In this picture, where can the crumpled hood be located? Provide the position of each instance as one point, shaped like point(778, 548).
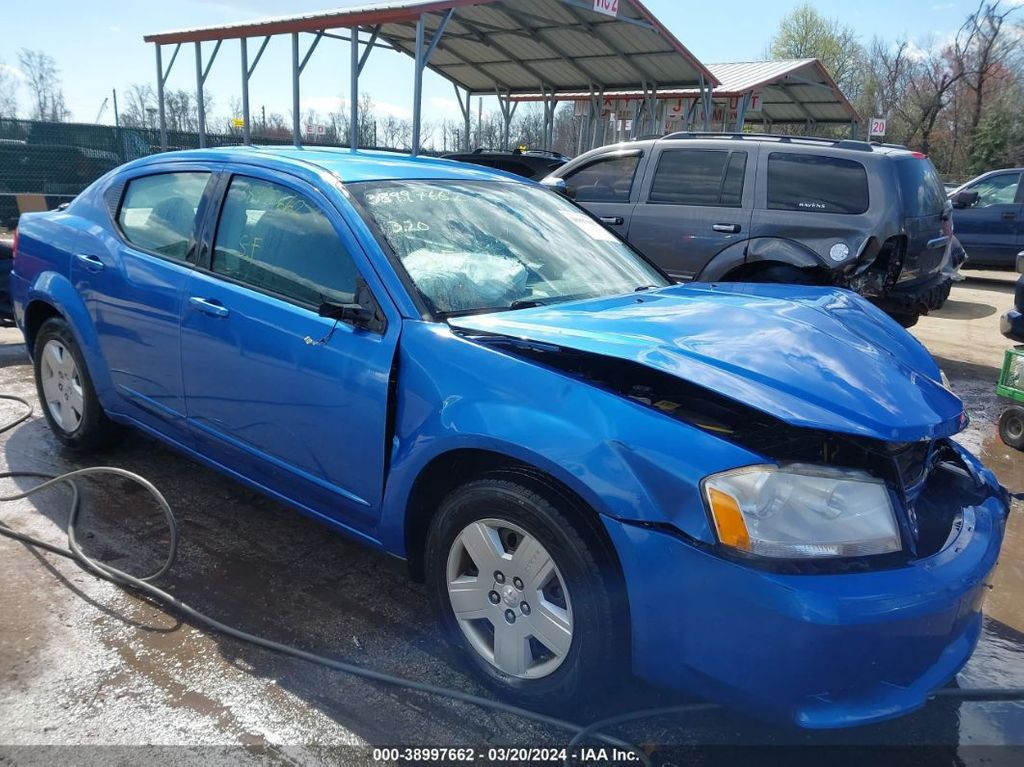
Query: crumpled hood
point(814, 357)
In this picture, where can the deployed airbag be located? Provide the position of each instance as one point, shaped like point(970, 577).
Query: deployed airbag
point(461, 281)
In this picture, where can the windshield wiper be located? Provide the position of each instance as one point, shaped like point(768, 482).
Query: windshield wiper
point(642, 288)
point(527, 303)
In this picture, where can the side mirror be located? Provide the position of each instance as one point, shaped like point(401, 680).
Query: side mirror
point(364, 312)
point(557, 184)
point(1020, 263)
point(353, 314)
point(964, 199)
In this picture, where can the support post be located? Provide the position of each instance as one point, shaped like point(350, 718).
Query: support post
point(161, 85)
point(201, 74)
point(353, 118)
point(200, 101)
point(708, 102)
point(246, 135)
point(423, 53)
point(550, 104)
point(417, 88)
point(296, 135)
point(160, 80)
point(467, 113)
point(741, 111)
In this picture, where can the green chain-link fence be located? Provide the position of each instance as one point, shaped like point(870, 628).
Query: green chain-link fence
point(44, 164)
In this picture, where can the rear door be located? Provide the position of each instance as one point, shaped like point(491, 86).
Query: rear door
point(131, 278)
point(695, 202)
point(818, 201)
point(990, 229)
point(289, 399)
point(605, 186)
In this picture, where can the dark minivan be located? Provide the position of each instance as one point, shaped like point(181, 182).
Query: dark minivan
point(760, 208)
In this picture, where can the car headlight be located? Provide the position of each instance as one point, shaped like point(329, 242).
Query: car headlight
point(802, 511)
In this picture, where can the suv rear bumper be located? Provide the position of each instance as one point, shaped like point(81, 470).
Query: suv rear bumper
point(918, 297)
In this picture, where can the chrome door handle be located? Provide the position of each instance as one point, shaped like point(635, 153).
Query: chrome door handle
point(1009, 216)
point(92, 263)
point(206, 306)
point(726, 228)
point(613, 220)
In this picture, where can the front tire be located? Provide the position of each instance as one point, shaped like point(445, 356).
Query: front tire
point(66, 392)
point(522, 591)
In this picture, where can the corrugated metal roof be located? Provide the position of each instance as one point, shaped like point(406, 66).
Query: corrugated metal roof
point(792, 91)
point(517, 46)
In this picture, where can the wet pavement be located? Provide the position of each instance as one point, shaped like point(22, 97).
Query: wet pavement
point(82, 662)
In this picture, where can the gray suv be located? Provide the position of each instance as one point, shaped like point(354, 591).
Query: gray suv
point(760, 208)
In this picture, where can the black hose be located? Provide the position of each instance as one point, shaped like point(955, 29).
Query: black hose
point(143, 584)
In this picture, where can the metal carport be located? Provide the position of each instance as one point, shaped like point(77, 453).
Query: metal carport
point(504, 48)
point(767, 93)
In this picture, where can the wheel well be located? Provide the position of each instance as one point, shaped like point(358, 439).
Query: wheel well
point(747, 271)
point(451, 470)
point(36, 313)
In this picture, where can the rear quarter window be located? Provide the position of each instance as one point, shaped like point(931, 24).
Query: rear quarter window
point(816, 184)
point(920, 186)
point(158, 212)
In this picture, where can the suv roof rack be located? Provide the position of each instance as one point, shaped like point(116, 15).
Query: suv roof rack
point(543, 153)
point(845, 143)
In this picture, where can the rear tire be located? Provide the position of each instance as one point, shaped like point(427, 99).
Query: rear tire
point(1011, 427)
point(905, 319)
point(780, 273)
point(66, 393)
point(559, 617)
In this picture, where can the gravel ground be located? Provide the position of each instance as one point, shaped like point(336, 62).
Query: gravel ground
point(83, 664)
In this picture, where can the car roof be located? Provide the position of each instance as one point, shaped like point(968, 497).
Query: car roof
point(347, 166)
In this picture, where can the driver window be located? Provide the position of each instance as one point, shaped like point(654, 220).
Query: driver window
point(996, 190)
point(609, 180)
point(271, 238)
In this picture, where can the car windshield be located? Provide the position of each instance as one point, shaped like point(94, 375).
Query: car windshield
point(472, 247)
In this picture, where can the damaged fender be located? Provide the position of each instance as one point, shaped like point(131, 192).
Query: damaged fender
point(624, 459)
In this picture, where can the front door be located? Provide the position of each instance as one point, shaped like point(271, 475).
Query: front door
point(989, 229)
point(605, 188)
point(697, 204)
point(287, 398)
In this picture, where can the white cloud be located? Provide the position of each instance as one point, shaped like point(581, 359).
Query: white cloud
point(440, 104)
point(915, 52)
point(388, 109)
point(12, 71)
point(326, 104)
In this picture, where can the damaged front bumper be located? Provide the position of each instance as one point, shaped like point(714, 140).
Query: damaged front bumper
point(818, 651)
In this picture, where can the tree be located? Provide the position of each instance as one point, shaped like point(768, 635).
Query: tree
point(805, 34)
point(42, 78)
point(8, 91)
point(987, 48)
point(139, 107)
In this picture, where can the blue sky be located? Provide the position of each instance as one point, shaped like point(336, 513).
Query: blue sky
point(98, 46)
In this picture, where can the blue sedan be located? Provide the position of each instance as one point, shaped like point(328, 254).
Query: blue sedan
point(747, 492)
